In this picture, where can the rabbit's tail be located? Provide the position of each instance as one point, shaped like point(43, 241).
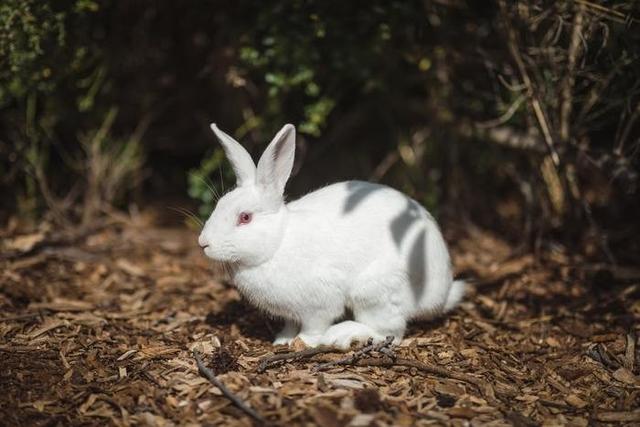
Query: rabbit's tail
point(456, 293)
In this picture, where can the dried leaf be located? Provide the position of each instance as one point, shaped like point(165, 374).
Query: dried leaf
point(575, 401)
point(325, 417)
point(25, 242)
point(626, 376)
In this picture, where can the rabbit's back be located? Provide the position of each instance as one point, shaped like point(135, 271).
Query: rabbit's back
point(354, 226)
point(355, 212)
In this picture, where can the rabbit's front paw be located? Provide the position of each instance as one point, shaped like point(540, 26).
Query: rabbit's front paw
point(342, 334)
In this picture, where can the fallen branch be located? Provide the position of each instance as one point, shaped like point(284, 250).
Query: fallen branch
point(388, 362)
point(23, 316)
point(630, 352)
point(485, 388)
point(357, 355)
point(208, 374)
point(617, 417)
point(276, 359)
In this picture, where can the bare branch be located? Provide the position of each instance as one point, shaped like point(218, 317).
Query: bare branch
point(566, 88)
point(627, 130)
point(607, 12)
point(307, 353)
point(503, 118)
point(208, 374)
point(534, 98)
point(353, 358)
point(422, 366)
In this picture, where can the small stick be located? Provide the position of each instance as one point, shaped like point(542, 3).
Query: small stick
point(20, 317)
point(630, 352)
point(421, 366)
point(268, 362)
point(382, 347)
point(208, 374)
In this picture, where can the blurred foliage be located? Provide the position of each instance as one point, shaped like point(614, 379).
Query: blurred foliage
point(201, 186)
point(30, 29)
point(492, 112)
point(51, 73)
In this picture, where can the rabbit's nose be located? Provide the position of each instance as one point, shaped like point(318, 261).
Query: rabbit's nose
point(203, 242)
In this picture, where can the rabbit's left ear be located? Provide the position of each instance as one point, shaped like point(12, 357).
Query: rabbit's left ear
point(240, 159)
point(275, 164)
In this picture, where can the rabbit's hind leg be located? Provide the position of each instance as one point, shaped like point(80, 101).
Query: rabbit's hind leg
point(376, 320)
point(385, 319)
point(342, 334)
point(380, 300)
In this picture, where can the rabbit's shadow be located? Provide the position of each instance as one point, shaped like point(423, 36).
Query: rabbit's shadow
point(417, 328)
point(250, 322)
point(401, 229)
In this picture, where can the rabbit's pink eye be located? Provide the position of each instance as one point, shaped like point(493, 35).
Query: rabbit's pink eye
point(244, 218)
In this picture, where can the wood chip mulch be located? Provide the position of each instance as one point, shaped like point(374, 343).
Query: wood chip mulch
point(104, 331)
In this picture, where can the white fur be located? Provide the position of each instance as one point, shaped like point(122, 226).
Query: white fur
point(352, 245)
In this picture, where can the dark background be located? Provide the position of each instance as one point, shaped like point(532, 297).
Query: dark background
point(521, 117)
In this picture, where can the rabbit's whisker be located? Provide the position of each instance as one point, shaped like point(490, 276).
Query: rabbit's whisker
point(188, 214)
point(212, 188)
point(221, 180)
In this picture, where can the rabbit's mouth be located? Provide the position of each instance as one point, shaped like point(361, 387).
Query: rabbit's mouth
point(208, 251)
point(219, 254)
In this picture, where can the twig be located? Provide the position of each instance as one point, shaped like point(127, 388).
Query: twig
point(609, 13)
point(381, 170)
point(276, 359)
point(20, 317)
point(421, 366)
point(503, 118)
point(357, 355)
point(534, 99)
point(596, 92)
point(208, 374)
point(55, 205)
point(627, 130)
point(559, 405)
point(389, 359)
point(630, 352)
point(566, 88)
point(22, 349)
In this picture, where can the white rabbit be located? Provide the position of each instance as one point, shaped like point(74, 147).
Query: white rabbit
point(354, 245)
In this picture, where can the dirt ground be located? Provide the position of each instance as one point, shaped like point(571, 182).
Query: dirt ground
point(99, 329)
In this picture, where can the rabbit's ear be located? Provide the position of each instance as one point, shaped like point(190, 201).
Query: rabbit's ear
point(274, 167)
point(240, 159)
